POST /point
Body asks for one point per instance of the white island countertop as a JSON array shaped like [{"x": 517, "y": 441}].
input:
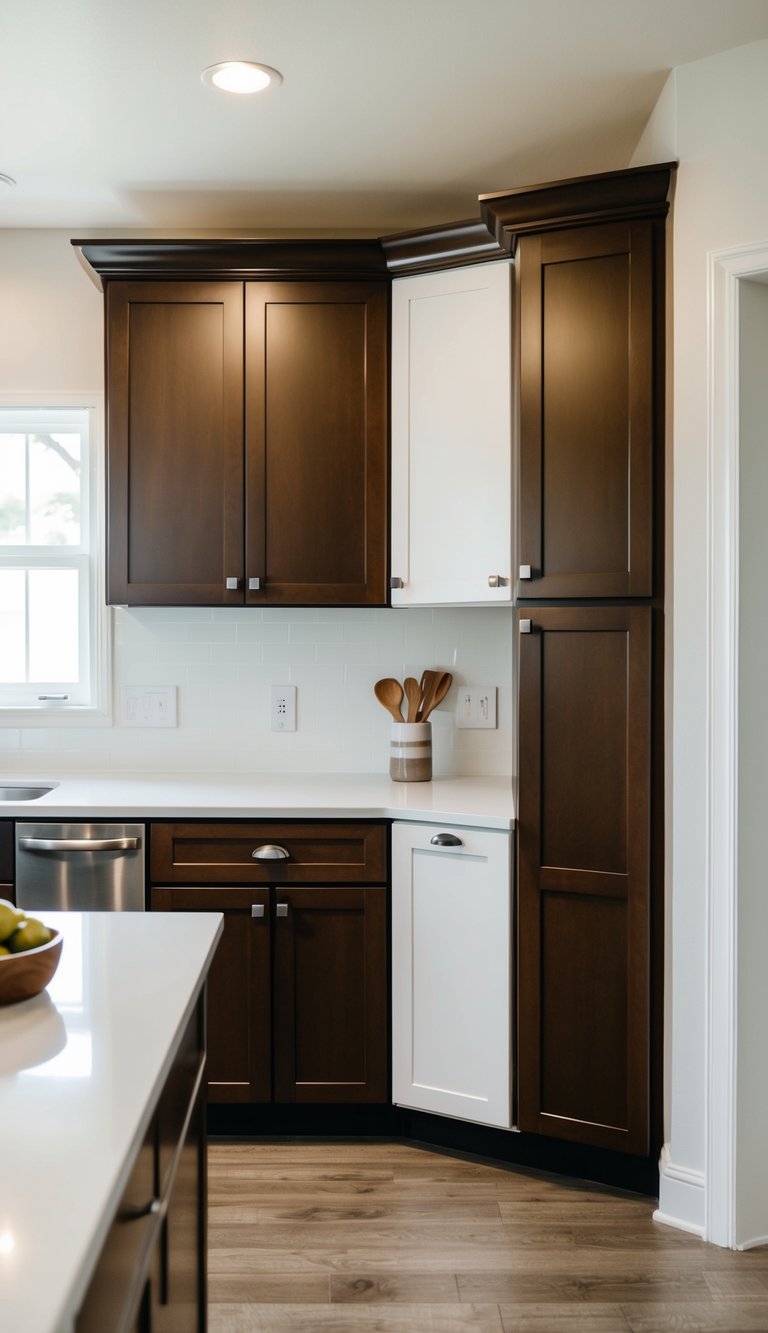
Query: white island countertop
[
  {"x": 81, "y": 1066},
  {"x": 479, "y": 802}
]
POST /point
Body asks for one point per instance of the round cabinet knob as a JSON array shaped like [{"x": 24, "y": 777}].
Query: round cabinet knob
[{"x": 269, "y": 852}]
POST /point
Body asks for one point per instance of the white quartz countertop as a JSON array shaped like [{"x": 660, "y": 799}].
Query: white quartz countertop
[
  {"x": 480, "y": 802},
  {"x": 80, "y": 1068}
]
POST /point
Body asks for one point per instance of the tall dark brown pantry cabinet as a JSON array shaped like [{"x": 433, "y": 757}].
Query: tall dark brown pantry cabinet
[{"x": 589, "y": 258}]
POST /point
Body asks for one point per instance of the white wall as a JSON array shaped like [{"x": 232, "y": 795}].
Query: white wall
[
  {"x": 712, "y": 117},
  {"x": 223, "y": 661},
  {"x": 752, "y": 1004}
]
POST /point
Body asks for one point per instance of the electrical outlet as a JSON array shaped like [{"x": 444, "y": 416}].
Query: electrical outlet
[
  {"x": 147, "y": 706},
  {"x": 283, "y": 707},
  {"x": 476, "y": 707}
]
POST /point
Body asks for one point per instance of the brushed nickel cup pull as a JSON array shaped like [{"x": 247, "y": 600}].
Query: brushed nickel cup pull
[
  {"x": 257, "y": 910},
  {"x": 396, "y": 583},
  {"x": 281, "y": 909},
  {"x": 446, "y": 840},
  {"x": 269, "y": 852}
]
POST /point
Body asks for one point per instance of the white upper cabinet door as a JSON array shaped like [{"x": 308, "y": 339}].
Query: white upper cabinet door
[
  {"x": 452, "y": 972},
  {"x": 452, "y": 437}
]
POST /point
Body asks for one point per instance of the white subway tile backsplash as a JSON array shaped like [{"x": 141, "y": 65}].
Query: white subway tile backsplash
[
  {"x": 212, "y": 632},
  {"x": 223, "y": 661},
  {"x": 264, "y": 631}
]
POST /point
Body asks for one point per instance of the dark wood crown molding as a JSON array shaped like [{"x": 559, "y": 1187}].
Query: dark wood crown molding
[
  {"x": 449, "y": 245},
  {"x": 238, "y": 259},
  {"x": 608, "y": 197}
]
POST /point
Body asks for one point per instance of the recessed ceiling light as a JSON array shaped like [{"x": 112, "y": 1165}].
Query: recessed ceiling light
[
  {"x": 6, "y": 183},
  {"x": 241, "y": 76}
]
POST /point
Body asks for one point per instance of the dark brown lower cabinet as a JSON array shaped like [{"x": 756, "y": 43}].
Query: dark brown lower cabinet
[
  {"x": 297, "y": 993},
  {"x": 151, "y": 1273},
  {"x": 584, "y": 874}
]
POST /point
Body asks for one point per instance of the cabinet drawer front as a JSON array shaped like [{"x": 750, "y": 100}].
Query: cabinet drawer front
[{"x": 326, "y": 853}]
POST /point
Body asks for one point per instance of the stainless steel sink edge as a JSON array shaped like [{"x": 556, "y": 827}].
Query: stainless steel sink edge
[{"x": 25, "y": 791}]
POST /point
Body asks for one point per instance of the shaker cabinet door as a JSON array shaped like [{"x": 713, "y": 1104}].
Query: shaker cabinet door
[
  {"x": 239, "y": 989},
  {"x": 330, "y": 994},
  {"x": 175, "y": 443},
  {"x": 451, "y": 437},
  {"x": 316, "y": 440},
  {"x": 584, "y": 874},
  {"x": 587, "y": 412},
  {"x": 452, "y": 972}
]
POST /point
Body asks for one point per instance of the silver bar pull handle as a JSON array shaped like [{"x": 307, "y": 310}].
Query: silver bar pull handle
[
  {"x": 232, "y": 584},
  {"x": 257, "y": 910},
  {"x": 254, "y": 585},
  {"x": 526, "y": 626},
  {"x": 446, "y": 840},
  {"x": 269, "y": 852},
  {"x": 525, "y": 571},
  {"x": 281, "y": 909},
  {"x": 80, "y": 844}
]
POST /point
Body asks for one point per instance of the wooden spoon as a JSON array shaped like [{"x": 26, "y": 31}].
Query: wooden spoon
[
  {"x": 438, "y": 694},
  {"x": 429, "y": 680},
  {"x": 389, "y": 692},
  {"x": 413, "y": 694}
]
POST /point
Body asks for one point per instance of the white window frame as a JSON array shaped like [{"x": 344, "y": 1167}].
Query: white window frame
[{"x": 90, "y": 565}]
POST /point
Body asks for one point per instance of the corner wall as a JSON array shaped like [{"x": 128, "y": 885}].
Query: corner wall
[{"x": 712, "y": 116}]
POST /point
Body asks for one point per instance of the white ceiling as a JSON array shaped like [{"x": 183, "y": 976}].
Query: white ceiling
[{"x": 391, "y": 115}]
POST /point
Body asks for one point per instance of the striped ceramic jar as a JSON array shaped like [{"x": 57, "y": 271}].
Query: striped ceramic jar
[{"x": 410, "y": 752}]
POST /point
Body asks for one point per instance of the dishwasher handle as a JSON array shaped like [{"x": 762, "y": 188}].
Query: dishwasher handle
[{"x": 80, "y": 844}]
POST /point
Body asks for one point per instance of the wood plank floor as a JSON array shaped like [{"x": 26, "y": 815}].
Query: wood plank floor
[{"x": 387, "y": 1238}]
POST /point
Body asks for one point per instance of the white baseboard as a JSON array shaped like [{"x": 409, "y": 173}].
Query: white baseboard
[
  {"x": 752, "y": 1244},
  {"x": 681, "y": 1196}
]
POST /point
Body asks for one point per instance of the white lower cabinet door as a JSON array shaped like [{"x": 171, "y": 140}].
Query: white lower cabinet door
[{"x": 452, "y": 971}]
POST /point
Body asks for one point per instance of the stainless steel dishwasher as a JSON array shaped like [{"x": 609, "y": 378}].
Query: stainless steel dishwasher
[{"x": 80, "y": 867}]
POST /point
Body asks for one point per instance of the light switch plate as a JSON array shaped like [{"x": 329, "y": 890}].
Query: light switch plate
[
  {"x": 147, "y": 706},
  {"x": 476, "y": 707}
]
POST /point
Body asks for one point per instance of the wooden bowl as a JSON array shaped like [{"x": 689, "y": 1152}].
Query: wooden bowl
[{"x": 23, "y": 975}]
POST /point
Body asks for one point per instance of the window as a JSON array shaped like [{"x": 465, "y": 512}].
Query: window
[{"x": 52, "y": 627}]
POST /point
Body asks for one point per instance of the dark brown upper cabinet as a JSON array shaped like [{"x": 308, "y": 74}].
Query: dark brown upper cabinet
[
  {"x": 587, "y": 412},
  {"x": 175, "y": 515},
  {"x": 316, "y": 443},
  {"x": 590, "y": 285},
  {"x": 247, "y": 422}
]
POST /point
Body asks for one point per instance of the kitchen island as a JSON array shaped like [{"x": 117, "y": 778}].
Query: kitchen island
[{"x": 101, "y": 1123}]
